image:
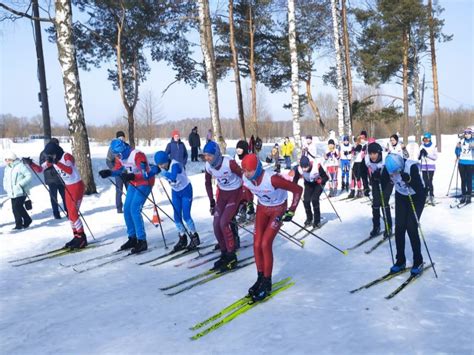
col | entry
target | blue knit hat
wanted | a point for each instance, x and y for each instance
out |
(304, 162)
(394, 163)
(161, 157)
(212, 148)
(117, 146)
(427, 135)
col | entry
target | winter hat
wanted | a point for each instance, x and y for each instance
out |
(212, 148)
(304, 162)
(394, 163)
(117, 146)
(468, 130)
(53, 149)
(374, 148)
(174, 132)
(54, 140)
(119, 134)
(427, 135)
(345, 139)
(331, 141)
(252, 163)
(161, 157)
(9, 155)
(245, 148)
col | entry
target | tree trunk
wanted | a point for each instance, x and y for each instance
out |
(416, 90)
(340, 87)
(295, 97)
(253, 76)
(404, 123)
(434, 69)
(313, 105)
(207, 48)
(235, 65)
(347, 59)
(72, 93)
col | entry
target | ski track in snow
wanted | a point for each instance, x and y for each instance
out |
(118, 309)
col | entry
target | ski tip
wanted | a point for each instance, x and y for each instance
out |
(302, 243)
(345, 252)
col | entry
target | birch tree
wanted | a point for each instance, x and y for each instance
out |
(295, 99)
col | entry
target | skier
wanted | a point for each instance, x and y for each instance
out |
(229, 182)
(246, 210)
(379, 178)
(128, 165)
(408, 183)
(181, 196)
(65, 166)
(363, 167)
(427, 157)
(396, 147)
(309, 148)
(332, 165)
(272, 192)
(314, 179)
(345, 152)
(356, 181)
(465, 153)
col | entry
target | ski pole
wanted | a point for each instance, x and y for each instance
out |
(384, 214)
(292, 239)
(156, 210)
(457, 183)
(421, 232)
(143, 213)
(345, 252)
(327, 197)
(452, 175)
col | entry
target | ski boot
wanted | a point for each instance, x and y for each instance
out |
(367, 192)
(387, 233)
(317, 224)
(308, 222)
(462, 200)
(468, 199)
(397, 267)
(194, 242)
(130, 243)
(229, 263)
(256, 285)
(250, 212)
(417, 270)
(263, 290)
(141, 246)
(375, 231)
(343, 186)
(221, 261)
(351, 194)
(181, 244)
(360, 193)
(242, 215)
(78, 242)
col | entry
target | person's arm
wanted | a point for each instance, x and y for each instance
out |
(173, 174)
(280, 183)
(140, 159)
(68, 164)
(235, 168)
(208, 182)
(110, 160)
(185, 155)
(297, 175)
(323, 174)
(25, 180)
(414, 179)
(457, 151)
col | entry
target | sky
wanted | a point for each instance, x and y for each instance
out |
(19, 85)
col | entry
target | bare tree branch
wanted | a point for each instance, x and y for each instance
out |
(24, 14)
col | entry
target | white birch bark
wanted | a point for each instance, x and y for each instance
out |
(339, 69)
(295, 102)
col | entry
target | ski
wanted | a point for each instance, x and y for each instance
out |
(62, 253)
(240, 311)
(214, 258)
(210, 278)
(237, 304)
(196, 277)
(408, 281)
(111, 261)
(178, 253)
(103, 256)
(461, 205)
(365, 241)
(386, 277)
(455, 205)
(376, 245)
(174, 257)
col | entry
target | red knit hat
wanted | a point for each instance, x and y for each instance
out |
(250, 162)
(174, 133)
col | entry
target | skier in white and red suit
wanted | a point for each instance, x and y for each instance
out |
(271, 190)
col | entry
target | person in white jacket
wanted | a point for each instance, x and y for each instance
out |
(427, 158)
(16, 182)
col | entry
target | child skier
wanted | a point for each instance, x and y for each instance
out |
(356, 181)
(395, 147)
(379, 178)
(409, 189)
(272, 192)
(363, 168)
(229, 182)
(246, 211)
(427, 158)
(314, 179)
(465, 153)
(128, 165)
(345, 152)
(332, 165)
(65, 166)
(181, 196)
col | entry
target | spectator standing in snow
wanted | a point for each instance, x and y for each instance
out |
(119, 183)
(195, 143)
(176, 149)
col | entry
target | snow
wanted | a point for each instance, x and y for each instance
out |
(118, 309)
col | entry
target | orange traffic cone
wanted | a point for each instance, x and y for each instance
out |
(156, 217)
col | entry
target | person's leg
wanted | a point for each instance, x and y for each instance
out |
(176, 199)
(376, 205)
(62, 192)
(261, 221)
(127, 211)
(74, 195)
(412, 229)
(233, 198)
(118, 194)
(218, 211)
(402, 209)
(307, 194)
(271, 229)
(136, 206)
(463, 175)
(187, 202)
(318, 189)
(53, 197)
(16, 203)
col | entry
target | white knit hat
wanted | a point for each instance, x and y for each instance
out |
(9, 155)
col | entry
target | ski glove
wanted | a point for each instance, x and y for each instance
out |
(127, 177)
(143, 165)
(105, 173)
(212, 208)
(423, 153)
(27, 161)
(405, 177)
(288, 216)
(50, 159)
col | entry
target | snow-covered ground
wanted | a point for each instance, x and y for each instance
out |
(46, 308)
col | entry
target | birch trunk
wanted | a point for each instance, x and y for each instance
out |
(72, 93)
(295, 97)
(235, 65)
(340, 88)
(404, 122)
(207, 48)
(253, 76)
(434, 69)
(416, 90)
(347, 59)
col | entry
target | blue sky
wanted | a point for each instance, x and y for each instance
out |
(19, 85)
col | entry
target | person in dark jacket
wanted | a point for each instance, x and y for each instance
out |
(54, 183)
(119, 183)
(195, 143)
(176, 149)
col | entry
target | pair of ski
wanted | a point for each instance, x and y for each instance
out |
(215, 257)
(390, 276)
(205, 277)
(369, 238)
(458, 205)
(311, 229)
(55, 253)
(239, 307)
